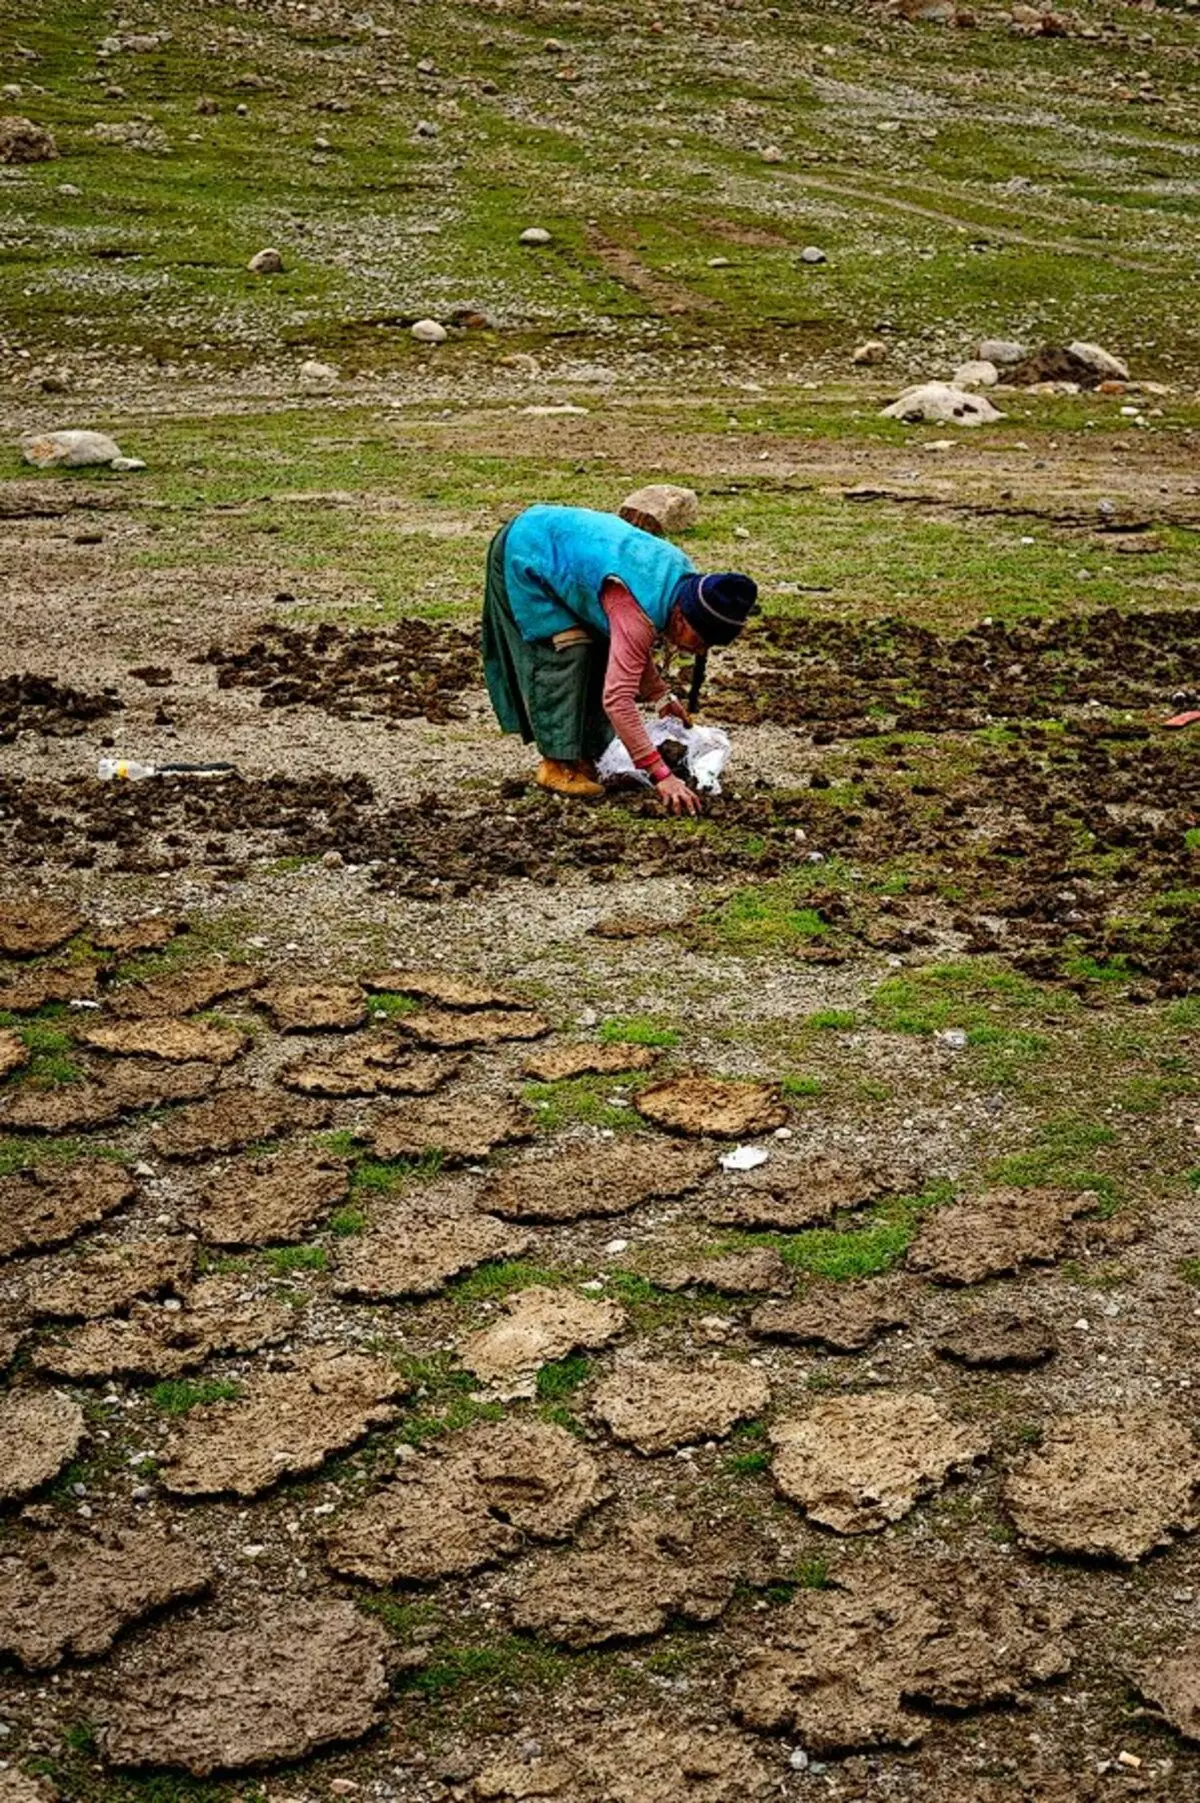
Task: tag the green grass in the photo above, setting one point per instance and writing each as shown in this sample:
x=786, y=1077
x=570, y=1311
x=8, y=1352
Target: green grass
x=872, y=1241
x=393, y=1007
x=766, y=918
x=347, y=1221
x=1004, y=1015
x=582, y=1101
x=637, y=1029
x=509, y=1664
x=801, y=1087
x=1057, y=1158
x=748, y=1464
x=502, y=1277
x=283, y=1259
x=557, y=1381
x=832, y=1020
x=21, y=1152
x=1189, y=1270
x=175, y=1396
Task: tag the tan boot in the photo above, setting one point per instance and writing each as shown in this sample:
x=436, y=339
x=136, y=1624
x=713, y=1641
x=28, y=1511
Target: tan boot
x=567, y=779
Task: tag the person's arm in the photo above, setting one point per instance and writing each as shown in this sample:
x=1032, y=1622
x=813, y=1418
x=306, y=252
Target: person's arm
x=632, y=674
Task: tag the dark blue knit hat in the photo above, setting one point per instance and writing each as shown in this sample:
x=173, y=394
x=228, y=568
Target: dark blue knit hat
x=717, y=607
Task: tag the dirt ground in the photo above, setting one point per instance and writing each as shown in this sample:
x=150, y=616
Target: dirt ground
x=411, y=1388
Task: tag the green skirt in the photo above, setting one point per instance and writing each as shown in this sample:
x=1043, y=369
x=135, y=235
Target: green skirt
x=551, y=694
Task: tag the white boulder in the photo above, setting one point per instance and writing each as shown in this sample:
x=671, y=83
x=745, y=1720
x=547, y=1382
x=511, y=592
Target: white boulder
x=674, y=508
x=73, y=450
x=1000, y=351
x=941, y=404
x=534, y=234
x=317, y=377
x=873, y=350
x=980, y=373
x=428, y=331
x=266, y=262
x=1106, y=366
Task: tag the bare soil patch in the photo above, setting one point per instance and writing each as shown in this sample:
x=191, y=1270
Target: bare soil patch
x=31, y=990
x=13, y=1052
x=447, y=1029
x=1171, y=1684
x=633, y=1759
x=45, y=1205
x=417, y=1246
x=208, y=1696
x=457, y=1127
x=656, y=1407
x=536, y=1327
x=845, y=1317
x=39, y=1430
x=30, y=703
x=1107, y=1486
x=69, y=1595
x=314, y=1007
x=108, y=1279
x=565, y=1061
x=854, y=1463
x=182, y=991
x=494, y=1486
x=999, y=1337
x=794, y=1190
x=232, y=1120
x=288, y=1421
x=445, y=989
x=872, y=1662
x=258, y=1201
x=29, y=929
x=221, y=1314
x=996, y=1233
x=574, y=1182
x=758, y=1273
x=113, y=1089
x=174, y=1041
x=372, y=1064
x=703, y=1105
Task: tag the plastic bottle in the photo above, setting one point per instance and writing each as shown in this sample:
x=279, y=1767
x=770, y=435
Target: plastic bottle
x=124, y=770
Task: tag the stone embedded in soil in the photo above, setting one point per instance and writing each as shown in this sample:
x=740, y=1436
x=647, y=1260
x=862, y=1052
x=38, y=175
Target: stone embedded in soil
x=845, y=1317
x=34, y=989
x=795, y=1191
x=457, y=1127
x=1107, y=1486
x=874, y=1661
x=538, y=1326
x=444, y=1030
x=995, y=1234
x=420, y=1243
x=560, y=1063
x=657, y=1407
x=69, y=1595
x=13, y=1052
x=473, y=1502
x=854, y=1463
x=39, y=1431
x=374, y=1064
x=107, y=1280
x=174, y=1041
x=655, y=1569
x=632, y=1759
x=258, y=1201
x=231, y=1121
x=183, y=991
x=730, y=1110
x=575, y=1181
x=51, y=1203
x=221, y=1314
x=443, y=989
x=757, y=1273
x=17, y=1786
x=314, y=1007
x=1170, y=1683
x=284, y=1679
x=998, y=1337
x=124, y=1087
x=288, y=1421
x=29, y=929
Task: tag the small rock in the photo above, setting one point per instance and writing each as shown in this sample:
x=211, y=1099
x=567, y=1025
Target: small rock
x=771, y=153
x=669, y=505
x=979, y=373
x=207, y=107
x=425, y=128
x=874, y=350
x=21, y=141
x=318, y=377
x=69, y=191
x=428, y=331
x=811, y=254
x=534, y=234
x=1000, y=351
x=266, y=262
x=1102, y=361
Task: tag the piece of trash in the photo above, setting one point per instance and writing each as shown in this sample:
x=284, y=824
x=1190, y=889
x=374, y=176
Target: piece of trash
x=952, y=1036
x=706, y=753
x=744, y=1158
x=128, y=770
x=1186, y=719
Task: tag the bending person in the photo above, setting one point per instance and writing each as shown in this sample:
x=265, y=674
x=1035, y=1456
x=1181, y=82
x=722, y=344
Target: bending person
x=575, y=605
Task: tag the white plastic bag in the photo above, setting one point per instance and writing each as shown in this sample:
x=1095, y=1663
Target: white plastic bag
x=706, y=750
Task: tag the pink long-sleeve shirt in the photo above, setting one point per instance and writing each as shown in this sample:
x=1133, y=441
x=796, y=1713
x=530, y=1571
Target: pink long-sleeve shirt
x=632, y=673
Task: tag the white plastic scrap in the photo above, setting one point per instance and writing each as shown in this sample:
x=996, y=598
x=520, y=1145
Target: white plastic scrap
x=706, y=750
x=744, y=1158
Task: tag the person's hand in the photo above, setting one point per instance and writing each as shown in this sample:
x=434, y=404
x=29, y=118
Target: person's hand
x=672, y=708
x=677, y=798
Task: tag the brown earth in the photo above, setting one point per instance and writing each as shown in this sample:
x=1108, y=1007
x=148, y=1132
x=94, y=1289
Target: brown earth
x=996, y=1234
x=705, y=1105
x=447, y=1029
x=845, y=1317
x=566, y=1061
x=1172, y=1685
x=457, y=1127
x=46, y=1205
x=232, y=1120
x=115, y=1088
x=13, y=1052
x=445, y=989
x=257, y=1201
x=174, y=1041
x=1107, y=1486
x=871, y=1662
x=159, y=1340
x=657, y=1407
x=208, y=1695
x=578, y=1181
x=633, y=1759
x=183, y=991
x=536, y=1327
x=39, y=1431
x=794, y=1190
x=416, y=1246
x=31, y=990
x=999, y=1337
x=854, y=1463
x=314, y=1007
x=758, y=1273
x=105, y=1280
x=374, y=1064
x=30, y=928
x=288, y=1421
x=493, y=1486
x=69, y=1595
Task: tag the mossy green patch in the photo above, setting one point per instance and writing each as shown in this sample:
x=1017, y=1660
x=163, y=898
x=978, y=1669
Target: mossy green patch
x=176, y=1396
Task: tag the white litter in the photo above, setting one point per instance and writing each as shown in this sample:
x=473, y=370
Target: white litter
x=744, y=1158
x=706, y=751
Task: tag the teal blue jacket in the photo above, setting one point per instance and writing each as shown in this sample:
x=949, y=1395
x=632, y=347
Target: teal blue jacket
x=556, y=559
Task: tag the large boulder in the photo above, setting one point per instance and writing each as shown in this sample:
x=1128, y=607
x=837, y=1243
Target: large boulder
x=21, y=141
x=1106, y=366
x=72, y=450
x=673, y=508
